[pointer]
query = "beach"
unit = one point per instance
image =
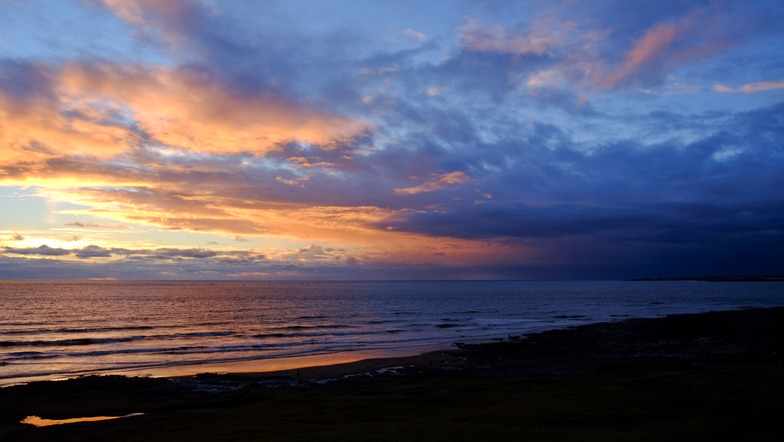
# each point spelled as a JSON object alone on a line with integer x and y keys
{"x": 710, "y": 376}
{"x": 54, "y": 330}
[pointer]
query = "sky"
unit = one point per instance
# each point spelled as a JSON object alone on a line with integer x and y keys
{"x": 188, "y": 139}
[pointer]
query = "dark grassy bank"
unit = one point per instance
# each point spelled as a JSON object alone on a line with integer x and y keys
{"x": 714, "y": 376}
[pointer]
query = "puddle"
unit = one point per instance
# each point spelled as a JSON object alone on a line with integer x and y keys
{"x": 41, "y": 422}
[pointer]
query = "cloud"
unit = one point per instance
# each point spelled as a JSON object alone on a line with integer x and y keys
{"x": 167, "y": 19}
{"x": 592, "y": 48}
{"x": 157, "y": 254}
{"x": 105, "y": 109}
{"x": 92, "y": 251}
{"x": 311, "y": 251}
{"x": 437, "y": 183}
{"x": 751, "y": 87}
{"x": 625, "y": 196}
{"x": 266, "y": 56}
{"x": 90, "y": 225}
{"x": 378, "y": 156}
{"x": 193, "y": 109}
{"x": 17, "y": 237}
{"x": 416, "y": 35}
{"x": 681, "y": 40}
{"x": 42, "y": 123}
{"x": 187, "y": 253}
{"x": 43, "y": 250}
{"x": 651, "y": 45}
{"x": 543, "y": 37}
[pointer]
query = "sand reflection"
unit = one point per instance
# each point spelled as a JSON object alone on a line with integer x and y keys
{"x": 41, "y": 422}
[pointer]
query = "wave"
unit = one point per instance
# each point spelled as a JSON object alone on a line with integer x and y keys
{"x": 68, "y": 342}
{"x": 68, "y": 330}
{"x": 31, "y": 355}
{"x": 314, "y": 333}
{"x": 313, "y": 327}
{"x": 383, "y": 321}
{"x": 207, "y": 334}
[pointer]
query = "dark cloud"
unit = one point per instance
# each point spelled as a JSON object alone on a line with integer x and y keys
{"x": 166, "y": 253}
{"x": 229, "y": 257}
{"x": 26, "y": 80}
{"x": 312, "y": 250}
{"x": 712, "y": 200}
{"x": 92, "y": 251}
{"x": 235, "y": 259}
{"x": 43, "y": 250}
{"x": 187, "y": 253}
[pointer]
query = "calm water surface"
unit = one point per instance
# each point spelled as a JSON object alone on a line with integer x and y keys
{"x": 57, "y": 329}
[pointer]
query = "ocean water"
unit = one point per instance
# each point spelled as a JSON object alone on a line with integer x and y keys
{"x": 61, "y": 329}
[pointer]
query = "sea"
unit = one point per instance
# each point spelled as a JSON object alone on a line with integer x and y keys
{"x": 63, "y": 329}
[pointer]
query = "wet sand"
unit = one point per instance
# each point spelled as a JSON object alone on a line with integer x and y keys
{"x": 716, "y": 376}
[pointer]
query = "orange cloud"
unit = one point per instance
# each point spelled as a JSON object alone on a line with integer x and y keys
{"x": 159, "y": 15}
{"x": 193, "y": 110}
{"x": 221, "y": 208}
{"x": 751, "y": 87}
{"x": 699, "y": 34}
{"x": 655, "y": 41}
{"x": 439, "y": 182}
{"x": 360, "y": 229}
{"x": 581, "y": 57}
{"x": 103, "y": 110}
{"x": 37, "y": 129}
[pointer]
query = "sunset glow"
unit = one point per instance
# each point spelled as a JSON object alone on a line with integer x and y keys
{"x": 189, "y": 139}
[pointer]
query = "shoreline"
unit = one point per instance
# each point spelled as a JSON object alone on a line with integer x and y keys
{"x": 678, "y": 370}
{"x": 345, "y": 362}
{"x": 269, "y": 365}
{"x": 685, "y": 339}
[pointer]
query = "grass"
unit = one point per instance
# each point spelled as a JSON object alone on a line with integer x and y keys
{"x": 723, "y": 402}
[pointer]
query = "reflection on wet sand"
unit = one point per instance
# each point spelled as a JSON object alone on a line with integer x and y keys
{"x": 41, "y": 422}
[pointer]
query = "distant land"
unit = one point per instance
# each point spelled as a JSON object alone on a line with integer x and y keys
{"x": 727, "y": 278}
